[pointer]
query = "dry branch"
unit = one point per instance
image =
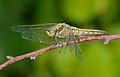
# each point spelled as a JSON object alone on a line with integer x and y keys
{"x": 32, "y": 55}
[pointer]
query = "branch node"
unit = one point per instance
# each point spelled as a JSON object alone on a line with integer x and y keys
{"x": 33, "y": 57}
{"x": 106, "y": 41}
{"x": 9, "y": 57}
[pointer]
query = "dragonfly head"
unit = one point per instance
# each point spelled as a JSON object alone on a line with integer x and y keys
{"x": 50, "y": 33}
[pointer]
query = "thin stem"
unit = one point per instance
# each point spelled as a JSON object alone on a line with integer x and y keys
{"x": 40, "y": 51}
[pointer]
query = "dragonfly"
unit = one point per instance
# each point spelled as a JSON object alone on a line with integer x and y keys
{"x": 55, "y": 33}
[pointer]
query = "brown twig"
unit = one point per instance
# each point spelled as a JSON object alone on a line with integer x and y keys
{"x": 11, "y": 60}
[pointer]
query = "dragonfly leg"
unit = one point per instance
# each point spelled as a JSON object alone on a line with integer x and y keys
{"x": 61, "y": 45}
{"x": 55, "y": 39}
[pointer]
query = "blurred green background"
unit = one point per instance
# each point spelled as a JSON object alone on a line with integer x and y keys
{"x": 99, "y": 60}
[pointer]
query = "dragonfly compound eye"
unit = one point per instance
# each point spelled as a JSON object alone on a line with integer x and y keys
{"x": 50, "y": 32}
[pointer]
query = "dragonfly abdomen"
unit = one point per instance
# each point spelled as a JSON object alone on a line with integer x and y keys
{"x": 91, "y": 31}
{"x": 87, "y": 31}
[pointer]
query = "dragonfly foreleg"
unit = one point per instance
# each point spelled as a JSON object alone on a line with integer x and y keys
{"x": 55, "y": 39}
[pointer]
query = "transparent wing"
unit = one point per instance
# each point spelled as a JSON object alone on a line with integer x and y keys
{"x": 35, "y": 32}
{"x": 38, "y": 36}
{"x": 29, "y": 28}
{"x": 70, "y": 37}
{"x": 78, "y": 51}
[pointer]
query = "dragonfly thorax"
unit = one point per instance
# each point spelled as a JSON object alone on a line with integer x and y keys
{"x": 59, "y": 30}
{"x": 53, "y": 31}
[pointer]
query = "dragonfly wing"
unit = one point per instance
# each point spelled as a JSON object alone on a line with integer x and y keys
{"x": 78, "y": 52}
{"x": 70, "y": 37}
{"x": 35, "y": 32}
{"x": 71, "y": 47}
{"x": 38, "y": 36}
{"x": 27, "y": 28}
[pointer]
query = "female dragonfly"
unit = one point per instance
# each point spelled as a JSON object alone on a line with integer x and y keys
{"x": 55, "y": 33}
